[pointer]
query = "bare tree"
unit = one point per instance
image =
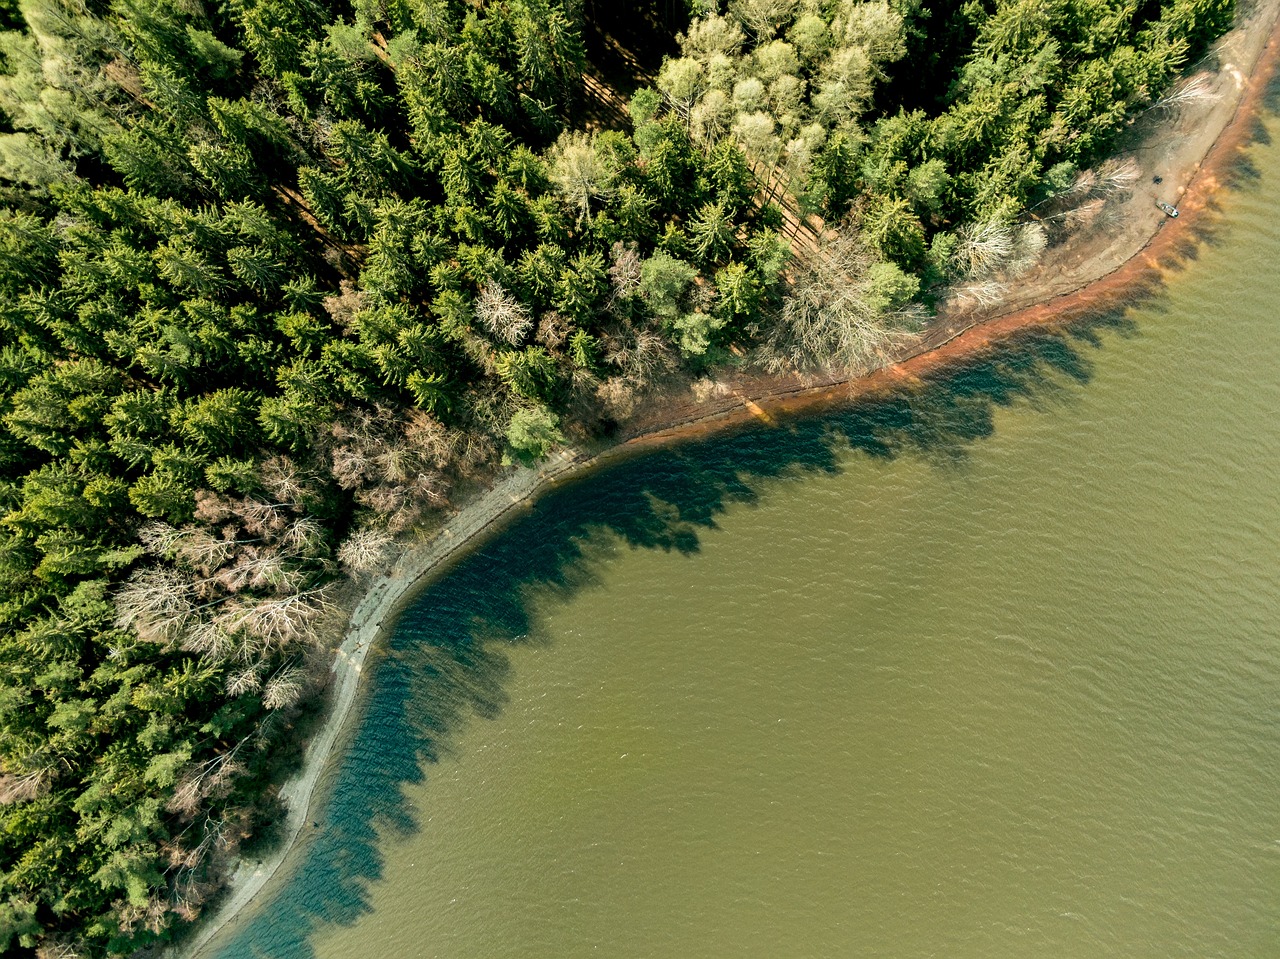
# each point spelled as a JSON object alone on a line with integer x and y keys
{"x": 1117, "y": 175}
{"x": 210, "y": 640}
{"x": 255, "y": 568}
{"x": 833, "y": 318}
{"x": 243, "y": 681}
{"x": 284, "y": 688}
{"x": 641, "y": 354}
{"x": 1082, "y": 215}
{"x": 553, "y": 330}
{"x": 19, "y": 787}
{"x": 56, "y": 947}
{"x": 979, "y": 294}
{"x": 212, "y": 508}
{"x": 283, "y": 479}
{"x": 1197, "y": 89}
{"x": 501, "y": 314}
{"x": 711, "y": 118}
{"x": 344, "y": 306}
{"x": 156, "y": 603}
{"x": 350, "y": 465}
{"x": 365, "y": 550}
{"x": 188, "y": 891}
{"x": 617, "y": 395}
{"x": 304, "y": 536}
{"x": 426, "y": 433}
{"x": 262, "y": 518}
{"x": 203, "y": 779}
{"x": 158, "y": 539}
{"x": 204, "y": 552}
{"x": 983, "y": 248}
{"x": 624, "y": 273}
{"x": 987, "y": 249}
{"x": 280, "y": 621}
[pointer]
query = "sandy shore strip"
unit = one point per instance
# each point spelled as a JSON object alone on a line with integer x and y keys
{"x": 1191, "y": 152}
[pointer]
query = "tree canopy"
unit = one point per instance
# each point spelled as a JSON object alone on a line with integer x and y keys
{"x": 278, "y": 278}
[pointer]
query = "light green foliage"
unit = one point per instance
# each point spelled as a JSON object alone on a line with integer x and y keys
{"x": 644, "y": 105}
{"x": 25, "y": 160}
{"x": 889, "y": 288}
{"x": 694, "y": 332}
{"x": 532, "y": 433}
{"x": 583, "y": 173}
{"x": 664, "y": 279}
{"x": 682, "y": 82}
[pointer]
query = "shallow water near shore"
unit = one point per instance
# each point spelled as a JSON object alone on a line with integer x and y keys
{"x": 987, "y": 668}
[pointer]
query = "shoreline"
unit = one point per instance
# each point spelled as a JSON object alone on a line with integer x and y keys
{"x": 1053, "y": 295}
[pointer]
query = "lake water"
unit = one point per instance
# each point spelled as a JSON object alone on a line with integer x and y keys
{"x": 987, "y": 669}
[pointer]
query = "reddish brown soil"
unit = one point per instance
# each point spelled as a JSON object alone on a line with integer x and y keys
{"x": 1133, "y": 249}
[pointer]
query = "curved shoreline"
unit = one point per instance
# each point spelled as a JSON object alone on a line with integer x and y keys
{"x": 739, "y": 401}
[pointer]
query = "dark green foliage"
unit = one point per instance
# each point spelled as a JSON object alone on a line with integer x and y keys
{"x": 277, "y": 275}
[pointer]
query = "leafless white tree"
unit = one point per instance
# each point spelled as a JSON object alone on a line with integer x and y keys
{"x": 979, "y": 294}
{"x": 243, "y": 681}
{"x": 284, "y": 688}
{"x": 501, "y": 314}
{"x": 277, "y": 622}
{"x": 283, "y": 479}
{"x": 641, "y": 354}
{"x": 158, "y": 539}
{"x": 365, "y": 550}
{"x": 1197, "y": 89}
{"x": 156, "y": 602}
{"x": 18, "y": 787}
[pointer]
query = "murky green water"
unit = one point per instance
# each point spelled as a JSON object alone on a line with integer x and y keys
{"x": 987, "y": 670}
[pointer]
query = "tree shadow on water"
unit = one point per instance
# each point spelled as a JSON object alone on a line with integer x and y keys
{"x": 447, "y": 660}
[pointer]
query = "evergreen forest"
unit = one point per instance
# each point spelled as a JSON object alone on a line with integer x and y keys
{"x": 280, "y": 279}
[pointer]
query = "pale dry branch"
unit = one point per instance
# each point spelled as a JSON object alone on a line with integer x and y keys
{"x": 243, "y": 681}
{"x": 978, "y": 295}
{"x": 624, "y": 271}
{"x": 1197, "y": 89}
{"x": 15, "y": 787}
{"x": 280, "y": 621}
{"x": 365, "y": 550}
{"x": 983, "y": 248}
{"x": 158, "y": 538}
{"x": 283, "y": 479}
{"x": 833, "y": 318}
{"x": 284, "y": 688}
{"x": 201, "y": 779}
{"x": 501, "y": 314}
{"x": 155, "y": 603}
{"x": 1117, "y": 175}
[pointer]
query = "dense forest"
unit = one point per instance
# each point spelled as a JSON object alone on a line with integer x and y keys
{"x": 279, "y": 277}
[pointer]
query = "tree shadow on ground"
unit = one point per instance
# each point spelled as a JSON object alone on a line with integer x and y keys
{"x": 447, "y": 661}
